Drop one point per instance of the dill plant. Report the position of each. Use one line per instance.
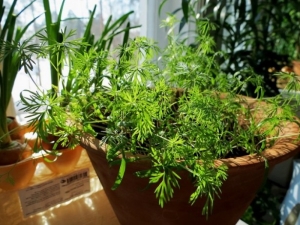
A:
(179, 111)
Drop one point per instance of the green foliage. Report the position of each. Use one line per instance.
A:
(81, 57)
(57, 43)
(181, 112)
(54, 36)
(262, 35)
(265, 208)
(15, 54)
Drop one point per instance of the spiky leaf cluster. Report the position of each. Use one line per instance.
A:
(171, 106)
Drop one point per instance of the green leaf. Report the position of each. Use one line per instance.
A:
(185, 9)
(120, 174)
(7, 23)
(160, 6)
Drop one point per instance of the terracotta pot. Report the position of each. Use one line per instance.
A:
(31, 139)
(28, 135)
(66, 162)
(21, 132)
(20, 174)
(296, 67)
(14, 127)
(15, 152)
(134, 201)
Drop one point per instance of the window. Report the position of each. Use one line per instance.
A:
(75, 16)
(145, 14)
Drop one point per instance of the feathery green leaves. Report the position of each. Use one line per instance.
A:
(180, 112)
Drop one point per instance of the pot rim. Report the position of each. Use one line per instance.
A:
(286, 146)
(30, 158)
(279, 152)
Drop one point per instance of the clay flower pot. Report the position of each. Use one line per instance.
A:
(14, 127)
(15, 152)
(64, 163)
(17, 166)
(18, 175)
(134, 201)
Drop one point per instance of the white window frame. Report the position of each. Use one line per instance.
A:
(151, 20)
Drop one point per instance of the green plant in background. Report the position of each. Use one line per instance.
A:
(264, 210)
(15, 54)
(54, 39)
(57, 38)
(175, 112)
(65, 52)
(262, 35)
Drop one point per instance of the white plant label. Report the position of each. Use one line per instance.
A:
(44, 195)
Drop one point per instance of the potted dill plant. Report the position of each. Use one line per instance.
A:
(16, 165)
(61, 48)
(172, 140)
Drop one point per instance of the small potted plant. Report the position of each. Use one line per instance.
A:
(16, 165)
(61, 48)
(52, 38)
(172, 140)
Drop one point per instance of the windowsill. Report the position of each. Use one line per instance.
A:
(87, 209)
(92, 208)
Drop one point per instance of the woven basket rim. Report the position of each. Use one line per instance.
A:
(284, 147)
